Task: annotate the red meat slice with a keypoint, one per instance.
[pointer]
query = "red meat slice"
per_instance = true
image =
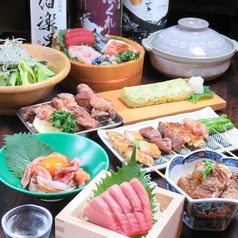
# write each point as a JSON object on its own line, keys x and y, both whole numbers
{"x": 79, "y": 36}
{"x": 118, "y": 192}
{"x": 124, "y": 209}
{"x": 100, "y": 213}
{"x": 143, "y": 195}
{"x": 131, "y": 195}
{"x": 119, "y": 214}
{"x": 120, "y": 197}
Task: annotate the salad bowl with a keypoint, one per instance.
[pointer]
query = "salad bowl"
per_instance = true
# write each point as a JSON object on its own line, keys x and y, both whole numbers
{"x": 208, "y": 214}
{"x": 93, "y": 160}
{"x": 14, "y": 97}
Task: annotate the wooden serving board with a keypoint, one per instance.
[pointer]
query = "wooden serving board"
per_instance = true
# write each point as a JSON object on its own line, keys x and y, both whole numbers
{"x": 134, "y": 115}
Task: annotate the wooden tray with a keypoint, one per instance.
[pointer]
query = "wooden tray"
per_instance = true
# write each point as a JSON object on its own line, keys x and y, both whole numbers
{"x": 134, "y": 115}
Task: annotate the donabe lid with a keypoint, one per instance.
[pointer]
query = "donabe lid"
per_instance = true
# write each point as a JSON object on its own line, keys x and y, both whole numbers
{"x": 192, "y": 38}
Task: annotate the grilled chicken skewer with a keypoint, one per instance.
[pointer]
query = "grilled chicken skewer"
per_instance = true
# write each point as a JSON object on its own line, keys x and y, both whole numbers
{"x": 125, "y": 148}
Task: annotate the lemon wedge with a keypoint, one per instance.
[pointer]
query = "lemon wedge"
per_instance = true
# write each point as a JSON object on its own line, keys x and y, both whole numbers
{"x": 42, "y": 126}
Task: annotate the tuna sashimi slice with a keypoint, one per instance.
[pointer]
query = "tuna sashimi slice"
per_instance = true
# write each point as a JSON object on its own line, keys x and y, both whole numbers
{"x": 120, "y": 197}
{"x": 121, "y": 217}
{"x": 123, "y": 208}
{"x": 142, "y": 220}
{"x": 131, "y": 196}
{"x": 99, "y": 212}
{"x": 143, "y": 195}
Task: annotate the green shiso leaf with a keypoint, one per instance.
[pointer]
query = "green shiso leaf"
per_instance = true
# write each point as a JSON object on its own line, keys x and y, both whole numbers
{"x": 207, "y": 94}
{"x": 21, "y": 149}
{"x": 125, "y": 174}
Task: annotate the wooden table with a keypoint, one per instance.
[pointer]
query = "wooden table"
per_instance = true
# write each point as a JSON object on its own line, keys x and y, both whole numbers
{"x": 226, "y": 87}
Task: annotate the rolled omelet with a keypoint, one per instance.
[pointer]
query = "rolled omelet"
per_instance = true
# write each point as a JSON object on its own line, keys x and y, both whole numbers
{"x": 156, "y": 93}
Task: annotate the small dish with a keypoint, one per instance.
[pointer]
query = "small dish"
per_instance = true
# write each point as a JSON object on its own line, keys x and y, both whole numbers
{"x": 93, "y": 160}
{"x": 209, "y": 214}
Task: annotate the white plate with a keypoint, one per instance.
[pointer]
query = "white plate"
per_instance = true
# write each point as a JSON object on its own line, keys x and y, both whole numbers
{"x": 160, "y": 163}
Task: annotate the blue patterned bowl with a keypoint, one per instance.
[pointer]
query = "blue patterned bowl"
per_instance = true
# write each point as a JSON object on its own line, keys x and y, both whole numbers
{"x": 211, "y": 214}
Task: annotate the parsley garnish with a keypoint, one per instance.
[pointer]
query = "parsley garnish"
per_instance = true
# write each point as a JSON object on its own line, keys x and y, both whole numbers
{"x": 63, "y": 120}
{"x": 21, "y": 149}
{"x": 128, "y": 55}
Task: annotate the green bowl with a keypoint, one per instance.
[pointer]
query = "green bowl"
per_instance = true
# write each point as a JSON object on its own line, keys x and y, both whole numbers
{"x": 93, "y": 160}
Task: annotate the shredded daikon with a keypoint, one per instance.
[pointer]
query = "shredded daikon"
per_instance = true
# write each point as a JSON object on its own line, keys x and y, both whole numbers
{"x": 11, "y": 53}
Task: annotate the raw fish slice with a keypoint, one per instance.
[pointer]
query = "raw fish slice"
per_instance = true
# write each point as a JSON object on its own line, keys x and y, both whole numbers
{"x": 143, "y": 195}
{"x": 132, "y": 196}
{"x": 119, "y": 214}
{"x": 142, "y": 220}
{"x": 84, "y": 54}
{"x": 135, "y": 204}
{"x": 120, "y": 197}
{"x": 115, "y": 46}
{"x": 99, "y": 212}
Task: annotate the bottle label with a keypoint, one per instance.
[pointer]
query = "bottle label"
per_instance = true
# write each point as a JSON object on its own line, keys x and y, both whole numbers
{"x": 143, "y": 17}
{"x": 100, "y": 16}
{"x": 44, "y": 15}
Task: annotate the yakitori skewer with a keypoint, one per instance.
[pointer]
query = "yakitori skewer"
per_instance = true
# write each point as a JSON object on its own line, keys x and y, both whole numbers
{"x": 156, "y": 170}
{"x": 229, "y": 152}
{"x": 230, "y": 135}
{"x": 225, "y": 138}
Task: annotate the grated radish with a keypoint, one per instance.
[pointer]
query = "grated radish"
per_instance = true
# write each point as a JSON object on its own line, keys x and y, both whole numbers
{"x": 196, "y": 84}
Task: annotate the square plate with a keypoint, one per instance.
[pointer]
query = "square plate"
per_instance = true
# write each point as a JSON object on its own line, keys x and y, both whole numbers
{"x": 207, "y": 112}
{"x": 103, "y": 124}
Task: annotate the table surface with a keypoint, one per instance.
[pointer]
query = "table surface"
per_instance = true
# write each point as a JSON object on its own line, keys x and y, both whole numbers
{"x": 225, "y": 86}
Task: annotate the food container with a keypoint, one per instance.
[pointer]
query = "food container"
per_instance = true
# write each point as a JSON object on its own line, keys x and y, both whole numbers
{"x": 210, "y": 214}
{"x": 69, "y": 224}
{"x": 14, "y": 97}
{"x": 189, "y": 49}
{"x": 102, "y": 78}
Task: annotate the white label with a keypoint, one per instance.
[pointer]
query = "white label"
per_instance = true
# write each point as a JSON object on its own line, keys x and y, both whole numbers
{"x": 148, "y": 10}
{"x": 44, "y": 15}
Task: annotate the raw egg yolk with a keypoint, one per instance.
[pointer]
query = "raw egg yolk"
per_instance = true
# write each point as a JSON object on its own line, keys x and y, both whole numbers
{"x": 52, "y": 164}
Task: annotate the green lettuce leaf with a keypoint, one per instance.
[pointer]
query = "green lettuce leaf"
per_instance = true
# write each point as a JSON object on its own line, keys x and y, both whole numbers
{"x": 3, "y": 78}
{"x": 26, "y": 72}
{"x": 42, "y": 72}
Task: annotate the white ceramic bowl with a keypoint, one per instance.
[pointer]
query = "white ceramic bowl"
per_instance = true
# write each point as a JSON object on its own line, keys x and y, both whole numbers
{"x": 211, "y": 214}
{"x": 190, "y": 49}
